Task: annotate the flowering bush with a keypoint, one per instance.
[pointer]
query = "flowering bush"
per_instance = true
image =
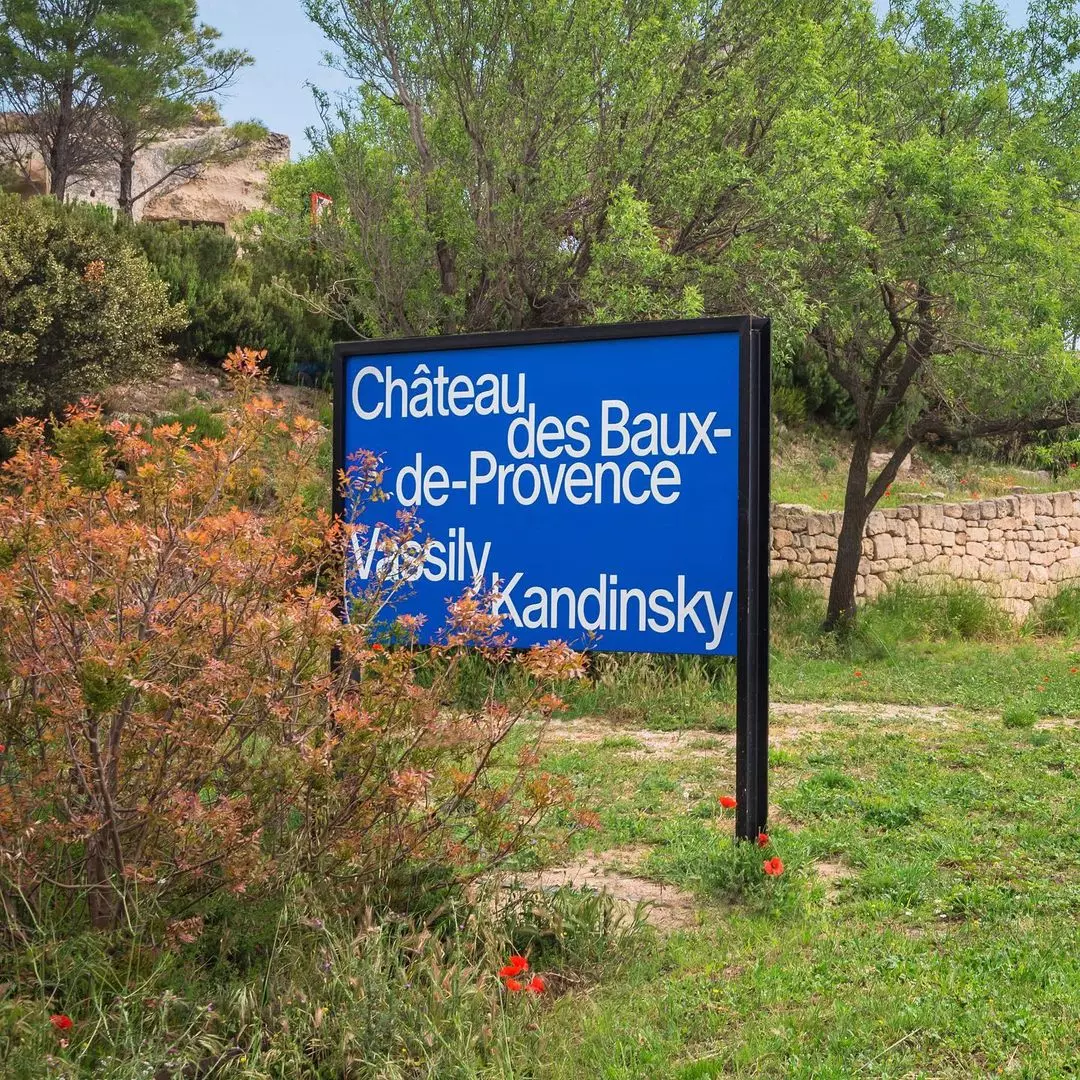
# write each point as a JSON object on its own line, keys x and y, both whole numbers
{"x": 173, "y": 725}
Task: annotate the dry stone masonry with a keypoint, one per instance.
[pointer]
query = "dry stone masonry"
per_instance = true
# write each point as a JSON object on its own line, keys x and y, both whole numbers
{"x": 1019, "y": 548}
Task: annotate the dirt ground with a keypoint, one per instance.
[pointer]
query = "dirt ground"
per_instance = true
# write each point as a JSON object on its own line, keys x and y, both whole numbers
{"x": 200, "y": 383}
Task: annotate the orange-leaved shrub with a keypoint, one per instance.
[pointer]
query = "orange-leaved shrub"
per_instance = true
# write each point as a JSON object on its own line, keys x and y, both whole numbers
{"x": 171, "y": 724}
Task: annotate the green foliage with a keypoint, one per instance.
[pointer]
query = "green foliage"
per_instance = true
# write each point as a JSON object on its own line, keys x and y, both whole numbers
{"x": 567, "y": 929}
{"x": 958, "y": 612}
{"x": 233, "y": 299}
{"x": 299, "y": 988}
{"x": 1060, "y": 457}
{"x": 1060, "y": 615}
{"x": 198, "y": 421}
{"x": 632, "y": 278}
{"x": 694, "y": 854}
{"x": 562, "y": 162}
{"x": 171, "y": 67}
{"x": 79, "y": 307}
{"x": 795, "y": 611}
{"x": 1019, "y": 717}
{"x": 789, "y": 405}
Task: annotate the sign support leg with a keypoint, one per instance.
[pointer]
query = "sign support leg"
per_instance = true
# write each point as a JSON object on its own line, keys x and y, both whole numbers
{"x": 752, "y": 698}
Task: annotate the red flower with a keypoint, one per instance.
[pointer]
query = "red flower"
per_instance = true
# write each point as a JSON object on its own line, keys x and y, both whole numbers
{"x": 61, "y": 1021}
{"x": 3, "y": 748}
{"x": 514, "y": 966}
{"x": 858, "y": 673}
{"x": 536, "y": 985}
{"x": 773, "y": 867}
{"x": 728, "y": 802}
{"x": 513, "y": 986}
{"x": 762, "y": 839}
{"x": 377, "y": 647}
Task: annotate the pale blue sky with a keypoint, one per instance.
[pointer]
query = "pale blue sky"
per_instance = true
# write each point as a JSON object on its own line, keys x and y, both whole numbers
{"x": 288, "y": 54}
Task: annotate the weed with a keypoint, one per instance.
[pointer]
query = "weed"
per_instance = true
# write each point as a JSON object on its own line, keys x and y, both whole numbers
{"x": 1019, "y": 717}
{"x": 1060, "y": 615}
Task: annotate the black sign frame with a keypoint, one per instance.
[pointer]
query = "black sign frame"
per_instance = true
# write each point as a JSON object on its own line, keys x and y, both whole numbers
{"x": 755, "y": 425}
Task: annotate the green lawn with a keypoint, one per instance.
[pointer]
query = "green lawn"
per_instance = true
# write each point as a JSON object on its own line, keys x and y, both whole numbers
{"x": 1040, "y": 675}
{"x": 926, "y": 925}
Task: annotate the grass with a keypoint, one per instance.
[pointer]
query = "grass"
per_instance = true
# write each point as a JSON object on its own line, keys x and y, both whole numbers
{"x": 810, "y": 469}
{"x": 925, "y": 925}
{"x": 910, "y": 647}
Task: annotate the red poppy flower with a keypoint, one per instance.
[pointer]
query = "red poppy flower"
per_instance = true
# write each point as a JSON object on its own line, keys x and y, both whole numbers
{"x": 728, "y": 802}
{"x": 762, "y": 839}
{"x": 61, "y": 1021}
{"x": 519, "y": 963}
{"x": 536, "y": 985}
{"x": 3, "y": 748}
{"x": 858, "y": 673}
{"x": 513, "y": 986}
{"x": 773, "y": 867}
{"x": 377, "y": 647}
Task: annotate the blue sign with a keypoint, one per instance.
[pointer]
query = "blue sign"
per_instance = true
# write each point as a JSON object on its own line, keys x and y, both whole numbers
{"x": 593, "y": 481}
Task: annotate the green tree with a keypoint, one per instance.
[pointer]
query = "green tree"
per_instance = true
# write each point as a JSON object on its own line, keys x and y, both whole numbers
{"x": 945, "y": 268}
{"x": 56, "y": 56}
{"x": 494, "y": 155}
{"x": 172, "y": 69}
{"x": 232, "y": 299}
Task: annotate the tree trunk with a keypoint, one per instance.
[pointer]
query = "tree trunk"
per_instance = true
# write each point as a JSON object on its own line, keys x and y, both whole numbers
{"x": 125, "y": 200}
{"x": 101, "y": 895}
{"x": 857, "y": 506}
{"x": 59, "y": 162}
{"x": 58, "y": 172}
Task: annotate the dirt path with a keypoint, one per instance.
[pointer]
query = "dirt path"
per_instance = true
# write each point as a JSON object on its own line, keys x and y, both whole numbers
{"x": 617, "y": 872}
{"x": 788, "y": 722}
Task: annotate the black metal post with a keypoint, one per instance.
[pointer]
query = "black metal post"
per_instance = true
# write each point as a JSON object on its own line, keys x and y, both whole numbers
{"x": 752, "y": 664}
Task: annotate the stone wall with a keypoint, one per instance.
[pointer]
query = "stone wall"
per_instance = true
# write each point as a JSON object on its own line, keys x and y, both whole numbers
{"x": 1019, "y": 548}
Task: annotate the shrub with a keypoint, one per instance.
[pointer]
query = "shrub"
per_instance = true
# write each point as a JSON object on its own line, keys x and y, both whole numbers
{"x": 232, "y": 296}
{"x": 789, "y": 405}
{"x": 1059, "y": 456}
{"x": 79, "y": 307}
{"x": 172, "y": 725}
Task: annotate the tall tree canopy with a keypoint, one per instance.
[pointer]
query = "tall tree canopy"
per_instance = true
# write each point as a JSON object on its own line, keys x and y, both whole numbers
{"x": 945, "y": 270}
{"x": 898, "y": 189}
{"x": 56, "y": 58}
{"x": 510, "y": 165}
{"x": 89, "y": 83}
